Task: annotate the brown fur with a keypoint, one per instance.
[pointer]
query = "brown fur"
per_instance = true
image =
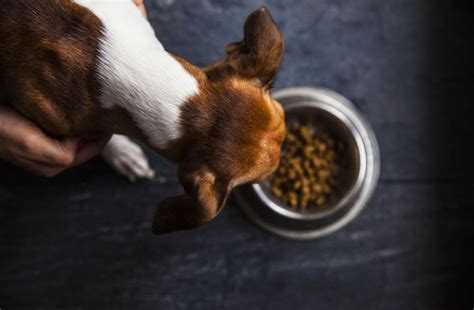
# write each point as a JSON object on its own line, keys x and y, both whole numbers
{"x": 47, "y": 66}
{"x": 233, "y": 128}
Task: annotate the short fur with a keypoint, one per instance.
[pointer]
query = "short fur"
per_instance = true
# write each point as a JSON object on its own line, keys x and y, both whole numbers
{"x": 232, "y": 129}
{"x": 48, "y": 58}
{"x": 133, "y": 64}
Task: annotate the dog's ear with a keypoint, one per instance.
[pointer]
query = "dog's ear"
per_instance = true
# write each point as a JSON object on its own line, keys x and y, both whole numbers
{"x": 260, "y": 52}
{"x": 205, "y": 195}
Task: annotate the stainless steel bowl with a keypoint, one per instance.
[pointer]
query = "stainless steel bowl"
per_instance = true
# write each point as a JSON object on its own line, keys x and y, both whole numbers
{"x": 346, "y": 124}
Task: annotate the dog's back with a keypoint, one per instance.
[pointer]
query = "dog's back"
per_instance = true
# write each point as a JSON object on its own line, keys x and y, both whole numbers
{"x": 48, "y": 52}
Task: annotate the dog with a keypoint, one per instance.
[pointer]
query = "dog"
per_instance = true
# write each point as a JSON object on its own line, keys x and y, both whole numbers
{"x": 86, "y": 68}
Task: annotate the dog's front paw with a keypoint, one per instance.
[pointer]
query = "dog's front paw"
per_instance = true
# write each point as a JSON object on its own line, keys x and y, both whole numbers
{"x": 127, "y": 158}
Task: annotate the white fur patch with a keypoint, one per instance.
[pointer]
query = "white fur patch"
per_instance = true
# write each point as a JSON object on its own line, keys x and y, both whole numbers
{"x": 137, "y": 73}
{"x": 127, "y": 158}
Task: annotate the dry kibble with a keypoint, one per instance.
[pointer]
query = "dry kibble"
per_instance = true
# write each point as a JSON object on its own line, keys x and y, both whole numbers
{"x": 297, "y": 185}
{"x": 309, "y": 169}
{"x": 306, "y": 189}
{"x": 307, "y": 165}
{"x": 277, "y": 191}
{"x": 331, "y": 155}
{"x": 305, "y": 134}
{"x": 321, "y": 200}
{"x": 326, "y": 189}
{"x": 318, "y": 162}
{"x": 304, "y": 203}
{"x": 322, "y": 147}
{"x": 308, "y": 150}
{"x": 293, "y": 198}
{"x": 324, "y": 174}
{"x": 291, "y": 138}
{"x": 318, "y": 188}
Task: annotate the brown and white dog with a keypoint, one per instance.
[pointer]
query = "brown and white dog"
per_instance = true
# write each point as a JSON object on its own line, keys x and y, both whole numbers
{"x": 88, "y": 67}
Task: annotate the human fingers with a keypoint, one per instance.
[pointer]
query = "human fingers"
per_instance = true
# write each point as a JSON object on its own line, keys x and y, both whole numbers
{"x": 19, "y": 137}
{"x": 40, "y": 169}
{"x": 89, "y": 150}
{"x": 49, "y": 151}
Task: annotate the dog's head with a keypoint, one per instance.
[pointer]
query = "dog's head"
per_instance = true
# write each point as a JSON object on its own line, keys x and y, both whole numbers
{"x": 234, "y": 129}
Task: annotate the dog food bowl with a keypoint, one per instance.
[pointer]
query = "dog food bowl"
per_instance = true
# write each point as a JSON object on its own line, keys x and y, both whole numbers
{"x": 360, "y": 175}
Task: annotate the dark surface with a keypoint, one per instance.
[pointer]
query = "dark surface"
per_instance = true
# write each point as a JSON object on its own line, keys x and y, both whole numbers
{"x": 83, "y": 240}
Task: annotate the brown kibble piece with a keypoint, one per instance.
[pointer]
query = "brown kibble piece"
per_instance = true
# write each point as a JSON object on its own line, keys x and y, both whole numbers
{"x": 324, "y": 173}
{"x": 308, "y": 150}
{"x": 297, "y": 185}
{"x": 291, "y": 137}
{"x": 320, "y": 201}
{"x": 326, "y": 188}
{"x": 322, "y": 147}
{"x": 304, "y": 133}
{"x": 318, "y": 188}
{"x": 293, "y": 199}
{"x": 277, "y": 191}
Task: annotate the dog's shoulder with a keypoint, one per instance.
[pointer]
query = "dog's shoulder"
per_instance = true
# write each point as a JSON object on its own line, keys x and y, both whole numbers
{"x": 49, "y": 52}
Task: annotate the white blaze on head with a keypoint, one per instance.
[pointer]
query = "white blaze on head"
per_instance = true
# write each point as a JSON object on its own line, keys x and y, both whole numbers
{"x": 137, "y": 73}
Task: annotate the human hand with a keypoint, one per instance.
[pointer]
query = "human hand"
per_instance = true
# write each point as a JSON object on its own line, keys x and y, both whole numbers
{"x": 26, "y": 145}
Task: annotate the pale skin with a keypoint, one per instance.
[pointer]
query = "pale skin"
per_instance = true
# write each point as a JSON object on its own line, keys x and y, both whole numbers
{"x": 26, "y": 145}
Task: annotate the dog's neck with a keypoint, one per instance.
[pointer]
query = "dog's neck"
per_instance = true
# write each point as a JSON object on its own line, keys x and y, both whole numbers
{"x": 137, "y": 74}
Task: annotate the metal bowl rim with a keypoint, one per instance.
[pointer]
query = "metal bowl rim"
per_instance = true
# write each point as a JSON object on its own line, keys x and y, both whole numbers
{"x": 346, "y": 120}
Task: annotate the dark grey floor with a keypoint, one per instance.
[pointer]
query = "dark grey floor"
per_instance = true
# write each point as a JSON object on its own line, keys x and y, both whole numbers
{"x": 83, "y": 241}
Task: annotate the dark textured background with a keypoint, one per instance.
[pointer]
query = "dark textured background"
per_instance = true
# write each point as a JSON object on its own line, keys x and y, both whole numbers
{"x": 83, "y": 241}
